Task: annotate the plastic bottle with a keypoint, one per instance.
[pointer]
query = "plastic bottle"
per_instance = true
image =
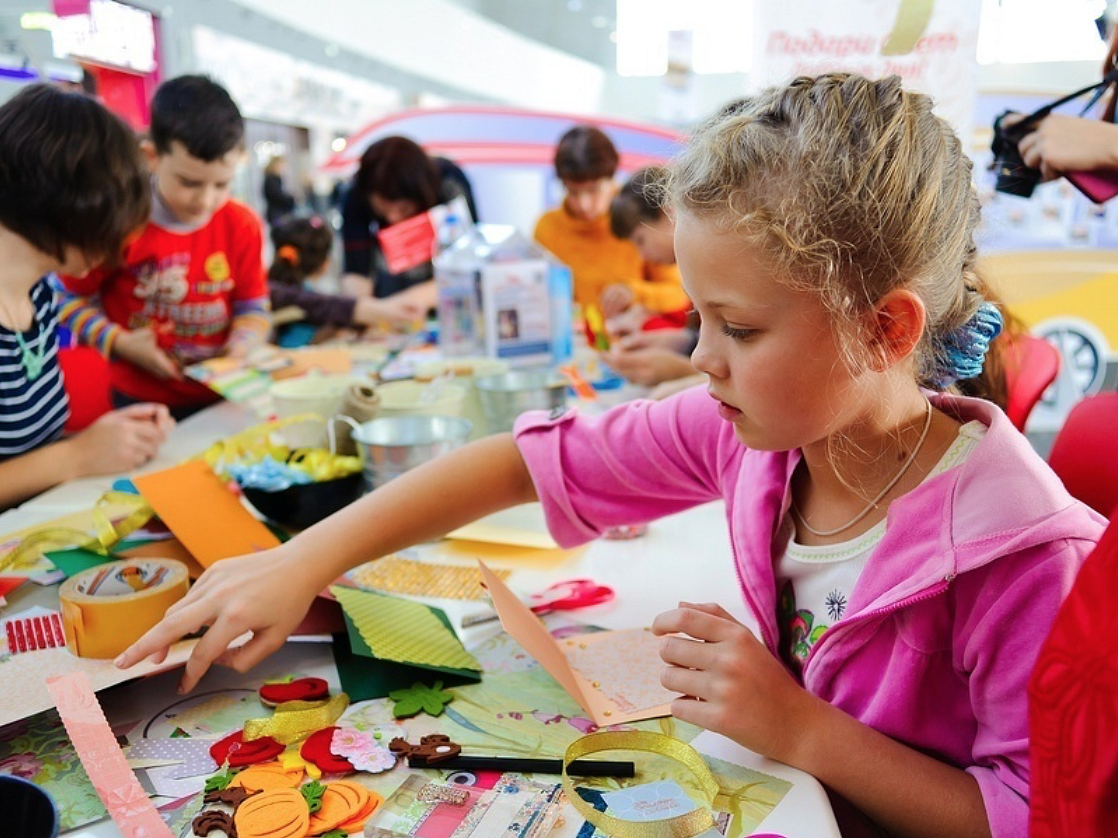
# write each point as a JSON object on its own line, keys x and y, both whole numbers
{"x": 503, "y": 296}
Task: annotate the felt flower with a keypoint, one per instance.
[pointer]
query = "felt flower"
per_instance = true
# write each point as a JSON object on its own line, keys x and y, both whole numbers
{"x": 349, "y": 740}
{"x": 420, "y": 698}
{"x": 374, "y": 760}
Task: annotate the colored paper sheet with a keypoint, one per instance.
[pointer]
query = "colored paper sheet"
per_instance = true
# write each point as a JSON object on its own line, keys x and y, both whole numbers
{"x": 364, "y": 677}
{"x": 403, "y": 631}
{"x": 205, "y": 516}
{"x": 191, "y": 757}
{"x": 76, "y": 559}
{"x": 616, "y": 697}
{"x": 520, "y": 526}
{"x": 318, "y": 359}
{"x": 104, "y": 762}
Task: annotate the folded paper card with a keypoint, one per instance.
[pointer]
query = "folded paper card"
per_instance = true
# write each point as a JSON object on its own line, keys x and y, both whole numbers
{"x": 520, "y": 526}
{"x": 207, "y": 518}
{"x": 409, "y": 640}
{"x": 613, "y": 675}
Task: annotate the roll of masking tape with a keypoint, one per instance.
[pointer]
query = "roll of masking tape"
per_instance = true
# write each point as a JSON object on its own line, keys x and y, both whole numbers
{"x": 107, "y": 608}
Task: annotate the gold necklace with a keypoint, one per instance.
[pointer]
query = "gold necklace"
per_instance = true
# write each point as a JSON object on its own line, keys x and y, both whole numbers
{"x": 873, "y": 503}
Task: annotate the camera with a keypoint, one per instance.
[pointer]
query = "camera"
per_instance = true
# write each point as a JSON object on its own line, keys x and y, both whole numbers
{"x": 1013, "y": 177}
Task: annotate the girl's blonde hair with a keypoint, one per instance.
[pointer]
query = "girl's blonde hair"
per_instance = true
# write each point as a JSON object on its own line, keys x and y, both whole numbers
{"x": 849, "y": 188}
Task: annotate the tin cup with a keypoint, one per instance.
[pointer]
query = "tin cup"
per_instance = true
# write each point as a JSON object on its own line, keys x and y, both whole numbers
{"x": 391, "y": 445}
{"x": 29, "y": 811}
{"x": 504, "y": 397}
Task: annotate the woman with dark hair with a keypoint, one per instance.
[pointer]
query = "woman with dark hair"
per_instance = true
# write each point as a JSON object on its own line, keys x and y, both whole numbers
{"x": 278, "y": 202}
{"x": 396, "y": 181}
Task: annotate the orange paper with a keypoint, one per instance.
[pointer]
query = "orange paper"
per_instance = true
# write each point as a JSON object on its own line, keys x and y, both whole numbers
{"x": 323, "y": 360}
{"x": 607, "y": 699}
{"x": 205, "y": 516}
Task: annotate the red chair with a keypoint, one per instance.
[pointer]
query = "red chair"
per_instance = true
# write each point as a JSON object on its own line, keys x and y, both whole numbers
{"x": 1085, "y": 452}
{"x": 1031, "y": 364}
{"x": 85, "y": 375}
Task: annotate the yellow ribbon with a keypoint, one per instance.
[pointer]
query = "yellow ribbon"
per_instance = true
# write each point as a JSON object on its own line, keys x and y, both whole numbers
{"x": 106, "y": 533}
{"x": 296, "y": 720}
{"x": 254, "y": 444}
{"x": 688, "y": 825}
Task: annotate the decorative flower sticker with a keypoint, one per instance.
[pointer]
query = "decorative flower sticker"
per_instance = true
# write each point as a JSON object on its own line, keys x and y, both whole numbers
{"x": 348, "y": 741}
{"x": 420, "y": 698}
{"x": 374, "y": 760}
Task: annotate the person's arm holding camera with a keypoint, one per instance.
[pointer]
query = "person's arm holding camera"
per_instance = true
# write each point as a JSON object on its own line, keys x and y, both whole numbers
{"x": 1063, "y": 144}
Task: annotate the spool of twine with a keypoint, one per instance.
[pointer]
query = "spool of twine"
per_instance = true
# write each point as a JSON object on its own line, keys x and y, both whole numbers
{"x": 360, "y": 404}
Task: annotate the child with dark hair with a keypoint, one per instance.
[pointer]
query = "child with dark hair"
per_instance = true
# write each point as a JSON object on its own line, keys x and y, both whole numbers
{"x": 72, "y": 188}
{"x": 396, "y": 181}
{"x": 192, "y": 285}
{"x": 578, "y": 232}
{"x": 303, "y": 248}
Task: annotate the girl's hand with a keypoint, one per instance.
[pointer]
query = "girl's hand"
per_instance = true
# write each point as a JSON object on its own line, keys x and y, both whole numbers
{"x": 266, "y": 593}
{"x": 731, "y": 683}
{"x": 121, "y": 440}
{"x": 140, "y": 347}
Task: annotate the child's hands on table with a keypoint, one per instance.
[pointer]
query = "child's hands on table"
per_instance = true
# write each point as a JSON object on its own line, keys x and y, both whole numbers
{"x": 141, "y": 348}
{"x": 266, "y": 593}
{"x": 122, "y": 440}
{"x": 731, "y": 684}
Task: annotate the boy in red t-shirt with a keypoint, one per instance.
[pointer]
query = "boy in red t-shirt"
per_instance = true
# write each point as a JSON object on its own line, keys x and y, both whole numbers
{"x": 192, "y": 285}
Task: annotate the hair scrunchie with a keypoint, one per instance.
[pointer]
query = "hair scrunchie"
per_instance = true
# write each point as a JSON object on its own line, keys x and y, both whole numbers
{"x": 960, "y": 353}
{"x": 289, "y": 253}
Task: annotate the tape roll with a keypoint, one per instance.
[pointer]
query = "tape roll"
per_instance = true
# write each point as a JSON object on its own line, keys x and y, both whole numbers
{"x": 107, "y": 608}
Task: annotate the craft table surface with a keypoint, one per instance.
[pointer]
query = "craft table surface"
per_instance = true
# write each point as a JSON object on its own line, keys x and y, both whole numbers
{"x": 683, "y": 557}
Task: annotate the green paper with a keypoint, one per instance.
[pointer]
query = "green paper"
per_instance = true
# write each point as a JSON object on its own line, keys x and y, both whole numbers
{"x": 76, "y": 559}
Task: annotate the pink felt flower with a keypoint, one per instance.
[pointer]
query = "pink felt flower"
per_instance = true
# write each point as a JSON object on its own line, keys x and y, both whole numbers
{"x": 374, "y": 760}
{"x": 348, "y": 741}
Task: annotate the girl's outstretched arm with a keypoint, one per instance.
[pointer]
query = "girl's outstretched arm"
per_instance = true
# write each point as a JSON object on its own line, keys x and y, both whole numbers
{"x": 732, "y": 685}
{"x": 268, "y": 593}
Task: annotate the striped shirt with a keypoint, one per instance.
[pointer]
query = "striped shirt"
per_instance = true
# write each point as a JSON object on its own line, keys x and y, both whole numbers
{"x": 32, "y": 413}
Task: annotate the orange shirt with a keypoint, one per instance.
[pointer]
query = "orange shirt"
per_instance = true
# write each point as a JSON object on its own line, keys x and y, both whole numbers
{"x": 598, "y": 259}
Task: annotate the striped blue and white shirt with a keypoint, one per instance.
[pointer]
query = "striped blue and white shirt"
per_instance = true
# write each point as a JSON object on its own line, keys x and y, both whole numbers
{"x": 32, "y": 413}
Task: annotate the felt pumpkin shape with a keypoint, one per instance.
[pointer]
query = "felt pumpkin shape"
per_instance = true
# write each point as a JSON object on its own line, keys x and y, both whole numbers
{"x": 342, "y": 801}
{"x": 357, "y": 824}
{"x": 277, "y": 813}
{"x": 268, "y": 775}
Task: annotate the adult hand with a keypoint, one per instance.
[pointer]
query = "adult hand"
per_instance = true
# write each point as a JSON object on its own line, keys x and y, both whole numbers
{"x": 266, "y": 594}
{"x": 648, "y": 367}
{"x": 121, "y": 440}
{"x": 615, "y": 299}
{"x": 1063, "y": 144}
{"x": 730, "y": 683}
{"x": 395, "y": 311}
{"x": 141, "y": 348}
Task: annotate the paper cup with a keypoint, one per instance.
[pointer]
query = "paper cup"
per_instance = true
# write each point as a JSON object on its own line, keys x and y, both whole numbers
{"x": 418, "y": 398}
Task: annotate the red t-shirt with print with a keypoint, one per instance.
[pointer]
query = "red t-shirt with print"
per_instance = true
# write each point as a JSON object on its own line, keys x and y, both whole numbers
{"x": 184, "y": 286}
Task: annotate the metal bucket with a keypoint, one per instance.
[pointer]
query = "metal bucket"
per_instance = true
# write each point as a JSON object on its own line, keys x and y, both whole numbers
{"x": 391, "y": 445}
{"x": 504, "y": 397}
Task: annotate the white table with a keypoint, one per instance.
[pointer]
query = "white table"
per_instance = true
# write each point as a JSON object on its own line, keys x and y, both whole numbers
{"x": 646, "y": 572}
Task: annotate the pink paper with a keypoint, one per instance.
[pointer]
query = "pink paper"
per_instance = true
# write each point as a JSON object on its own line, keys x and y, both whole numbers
{"x": 104, "y": 762}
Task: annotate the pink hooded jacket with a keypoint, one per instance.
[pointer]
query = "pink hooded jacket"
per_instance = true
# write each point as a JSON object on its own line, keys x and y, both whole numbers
{"x": 943, "y": 627}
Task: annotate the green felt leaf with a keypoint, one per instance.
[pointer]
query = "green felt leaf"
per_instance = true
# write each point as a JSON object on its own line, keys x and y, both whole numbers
{"x": 219, "y": 781}
{"x": 419, "y": 697}
{"x": 312, "y": 793}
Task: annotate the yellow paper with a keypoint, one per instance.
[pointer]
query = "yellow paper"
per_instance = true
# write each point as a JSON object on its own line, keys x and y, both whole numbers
{"x": 520, "y": 526}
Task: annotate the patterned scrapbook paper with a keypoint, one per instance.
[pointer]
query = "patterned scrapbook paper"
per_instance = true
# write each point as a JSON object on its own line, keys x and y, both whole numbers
{"x": 403, "y": 631}
{"x": 624, "y": 666}
{"x": 397, "y": 575}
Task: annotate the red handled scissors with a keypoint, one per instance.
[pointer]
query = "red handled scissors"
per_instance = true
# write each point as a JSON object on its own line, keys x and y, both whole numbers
{"x": 568, "y": 595}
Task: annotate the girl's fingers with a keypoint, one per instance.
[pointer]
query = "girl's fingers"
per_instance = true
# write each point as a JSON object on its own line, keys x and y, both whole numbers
{"x": 709, "y": 608}
{"x": 695, "y": 623}
{"x": 690, "y": 654}
{"x": 689, "y": 682}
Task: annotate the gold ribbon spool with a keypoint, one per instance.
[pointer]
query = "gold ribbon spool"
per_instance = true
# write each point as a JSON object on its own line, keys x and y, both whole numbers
{"x": 107, "y": 608}
{"x": 680, "y": 826}
{"x": 106, "y": 535}
{"x": 295, "y": 720}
